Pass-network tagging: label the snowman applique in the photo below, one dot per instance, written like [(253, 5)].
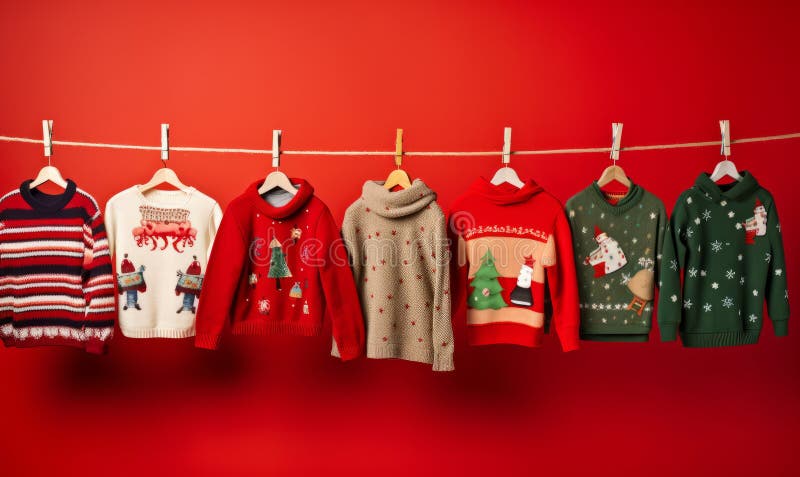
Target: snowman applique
[(607, 257), (521, 294), (756, 226)]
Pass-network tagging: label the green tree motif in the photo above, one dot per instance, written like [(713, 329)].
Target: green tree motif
[(277, 264), (486, 293)]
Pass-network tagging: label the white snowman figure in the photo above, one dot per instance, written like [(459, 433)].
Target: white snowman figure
[(521, 294), (608, 257), (756, 226)]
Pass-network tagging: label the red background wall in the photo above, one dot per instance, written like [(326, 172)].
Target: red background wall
[(452, 74)]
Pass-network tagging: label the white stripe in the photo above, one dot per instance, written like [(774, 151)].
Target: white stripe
[(25, 286), (13, 192), (76, 245), (52, 228), (23, 309), (21, 300), (101, 310), (41, 277), (102, 300), (46, 253), (99, 287), (89, 196), (100, 254)]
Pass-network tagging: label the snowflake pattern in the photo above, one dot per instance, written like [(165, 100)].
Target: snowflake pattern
[(715, 285), (584, 230), (687, 304), (646, 262), (697, 221), (707, 307), (689, 232), (731, 214), (688, 200), (723, 203), (778, 272), (753, 318), (730, 274), (767, 257), (702, 273), (738, 226), (755, 292), (706, 215), (741, 280), (653, 216), (716, 246), (673, 264), (626, 277), (693, 272), (674, 298), (727, 302)]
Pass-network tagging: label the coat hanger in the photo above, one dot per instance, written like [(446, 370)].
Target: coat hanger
[(164, 175), (613, 181), (398, 177), (506, 173), (48, 173), (276, 178), (725, 167)]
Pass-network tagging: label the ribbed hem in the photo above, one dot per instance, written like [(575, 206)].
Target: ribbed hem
[(713, 340), (207, 341), (569, 337), (443, 362), (616, 337), (95, 346), (174, 333), (397, 351), (668, 331), (347, 353), (781, 327), (268, 328), (505, 333)]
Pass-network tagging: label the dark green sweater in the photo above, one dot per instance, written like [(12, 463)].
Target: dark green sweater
[(616, 251), (727, 242)]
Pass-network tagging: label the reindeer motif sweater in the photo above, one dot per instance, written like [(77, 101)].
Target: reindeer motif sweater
[(56, 286), (277, 268), (160, 241), (726, 242), (508, 242), (617, 256)]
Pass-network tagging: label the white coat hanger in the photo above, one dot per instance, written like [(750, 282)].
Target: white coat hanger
[(164, 175), (398, 177), (276, 178), (506, 173), (725, 167), (48, 173), (614, 172)]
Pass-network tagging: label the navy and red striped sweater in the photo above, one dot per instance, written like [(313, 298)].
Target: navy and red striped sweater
[(56, 283)]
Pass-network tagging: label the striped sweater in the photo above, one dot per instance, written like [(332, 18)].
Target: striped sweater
[(56, 284)]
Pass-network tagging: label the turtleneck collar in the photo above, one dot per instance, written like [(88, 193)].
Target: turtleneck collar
[(736, 191), (505, 193), (304, 193), (47, 202), (400, 203), (634, 195)]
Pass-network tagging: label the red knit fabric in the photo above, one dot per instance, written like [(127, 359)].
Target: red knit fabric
[(277, 270), (495, 230), (127, 266), (194, 268)]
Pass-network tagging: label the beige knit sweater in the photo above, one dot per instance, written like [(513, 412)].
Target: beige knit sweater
[(398, 245)]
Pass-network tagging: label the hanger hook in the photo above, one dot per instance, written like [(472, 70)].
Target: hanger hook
[(164, 162)]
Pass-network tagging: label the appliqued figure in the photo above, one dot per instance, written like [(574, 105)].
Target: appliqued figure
[(756, 226), (608, 257), (521, 294), (189, 283), (131, 283)]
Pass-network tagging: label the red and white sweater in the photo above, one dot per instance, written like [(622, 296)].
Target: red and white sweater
[(507, 242), (276, 269), (56, 284)]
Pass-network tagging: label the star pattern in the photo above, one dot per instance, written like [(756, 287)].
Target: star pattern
[(707, 307)]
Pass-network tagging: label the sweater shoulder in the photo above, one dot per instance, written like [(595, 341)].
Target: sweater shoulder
[(580, 197), (87, 202), (10, 198)]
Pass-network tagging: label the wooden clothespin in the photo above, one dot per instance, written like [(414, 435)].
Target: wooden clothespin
[(276, 148), (164, 141), (47, 134), (398, 177), (506, 145), (725, 129), (616, 141), (398, 149)]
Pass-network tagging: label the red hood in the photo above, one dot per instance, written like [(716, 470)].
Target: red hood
[(304, 193), (505, 193)]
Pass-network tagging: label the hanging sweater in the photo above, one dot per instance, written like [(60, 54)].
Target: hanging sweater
[(276, 267), (617, 256), (160, 240), (508, 241), (56, 286), (397, 243), (726, 239)]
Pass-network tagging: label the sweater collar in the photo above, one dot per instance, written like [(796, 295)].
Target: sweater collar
[(634, 195), (303, 195), (47, 202), (505, 193), (400, 203), (735, 191)]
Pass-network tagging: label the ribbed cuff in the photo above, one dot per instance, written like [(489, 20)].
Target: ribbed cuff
[(207, 341), (349, 352), (781, 327), (95, 346), (569, 337), (668, 331), (443, 362)]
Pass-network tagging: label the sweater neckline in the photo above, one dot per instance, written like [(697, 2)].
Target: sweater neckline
[(304, 193), (47, 202), (634, 195), (152, 194), (737, 190)]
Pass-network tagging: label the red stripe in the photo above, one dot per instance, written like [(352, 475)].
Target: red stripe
[(43, 260), (44, 222)]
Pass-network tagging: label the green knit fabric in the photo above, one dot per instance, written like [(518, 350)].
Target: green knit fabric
[(731, 260), (610, 311)]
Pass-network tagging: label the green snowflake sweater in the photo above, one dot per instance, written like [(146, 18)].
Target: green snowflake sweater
[(616, 257), (726, 239)]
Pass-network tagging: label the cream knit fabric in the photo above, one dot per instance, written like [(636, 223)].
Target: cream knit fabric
[(398, 245)]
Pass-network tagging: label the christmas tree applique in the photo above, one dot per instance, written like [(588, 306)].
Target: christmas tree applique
[(277, 264), (487, 288)]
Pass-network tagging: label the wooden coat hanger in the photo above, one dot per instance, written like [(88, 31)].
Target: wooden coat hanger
[(48, 173), (276, 178), (398, 177), (165, 175), (725, 167), (506, 173)]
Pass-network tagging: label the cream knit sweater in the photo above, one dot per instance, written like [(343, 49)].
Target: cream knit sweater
[(398, 246)]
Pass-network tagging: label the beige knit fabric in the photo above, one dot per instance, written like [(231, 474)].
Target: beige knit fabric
[(397, 242)]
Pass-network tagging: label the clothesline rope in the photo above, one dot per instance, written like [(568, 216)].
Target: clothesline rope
[(405, 153)]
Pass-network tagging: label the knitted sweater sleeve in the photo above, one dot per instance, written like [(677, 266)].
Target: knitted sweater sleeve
[(777, 295), (673, 256), (220, 284), (661, 234), (442, 325), (341, 297), (563, 285), (98, 286), (458, 266), (213, 226)]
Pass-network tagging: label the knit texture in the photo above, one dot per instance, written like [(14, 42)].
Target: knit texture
[(726, 242), (510, 245), (56, 285), (398, 246), (160, 240), (277, 268), (617, 257)]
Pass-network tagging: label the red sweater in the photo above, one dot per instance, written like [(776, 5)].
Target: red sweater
[(275, 270), (507, 242)]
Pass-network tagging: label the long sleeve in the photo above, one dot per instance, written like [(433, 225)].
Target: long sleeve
[(341, 297), (777, 294), (228, 259), (673, 256), (441, 320), (98, 286), (563, 284), (458, 267), (663, 224), (213, 226)]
